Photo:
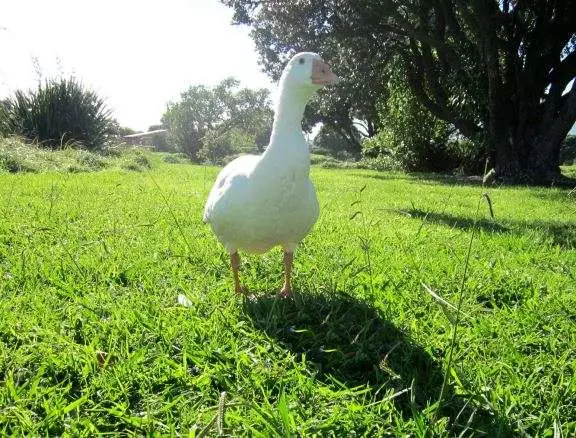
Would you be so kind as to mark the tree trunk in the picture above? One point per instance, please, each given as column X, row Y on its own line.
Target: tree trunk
column 530, row 160
column 532, row 155
column 540, row 167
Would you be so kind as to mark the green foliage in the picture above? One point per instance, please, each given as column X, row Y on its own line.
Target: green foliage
column 120, row 131
column 136, row 161
column 569, row 171
column 414, row 139
column 93, row 339
column 409, row 133
column 189, row 120
column 221, row 146
column 250, row 111
column 159, row 141
column 178, row 158
column 17, row 156
column 328, row 162
column 4, row 117
column 468, row 157
column 380, row 163
column 207, row 122
column 58, row 113
column 335, row 144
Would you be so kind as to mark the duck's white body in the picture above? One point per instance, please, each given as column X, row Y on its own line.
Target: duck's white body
column 262, row 201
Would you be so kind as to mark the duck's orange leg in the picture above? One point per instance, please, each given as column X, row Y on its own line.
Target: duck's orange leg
column 235, row 263
column 286, row 290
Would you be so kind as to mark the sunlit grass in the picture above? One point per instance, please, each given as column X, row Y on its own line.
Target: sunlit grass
column 93, row 339
column 19, row 156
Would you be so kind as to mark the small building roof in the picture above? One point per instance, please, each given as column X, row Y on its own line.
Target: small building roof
column 145, row 134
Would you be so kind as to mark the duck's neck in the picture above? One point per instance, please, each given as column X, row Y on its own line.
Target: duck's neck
column 288, row 115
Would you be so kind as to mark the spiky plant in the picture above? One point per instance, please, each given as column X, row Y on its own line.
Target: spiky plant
column 59, row 112
column 4, row 116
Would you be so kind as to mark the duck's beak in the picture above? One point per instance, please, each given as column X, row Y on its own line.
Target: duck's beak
column 322, row 74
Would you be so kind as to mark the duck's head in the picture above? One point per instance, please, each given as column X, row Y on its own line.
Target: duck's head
column 308, row 71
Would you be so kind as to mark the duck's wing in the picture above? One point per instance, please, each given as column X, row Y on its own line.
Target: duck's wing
column 229, row 183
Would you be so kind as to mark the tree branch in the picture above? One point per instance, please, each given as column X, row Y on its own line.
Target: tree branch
column 551, row 33
column 564, row 120
column 406, row 29
column 448, row 9
column 564, row 72
column 558, row 78
column 468, row 128
column 469, row 18
column 430, row 73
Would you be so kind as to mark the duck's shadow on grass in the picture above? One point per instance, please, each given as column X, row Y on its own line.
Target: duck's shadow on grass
column 346, row 339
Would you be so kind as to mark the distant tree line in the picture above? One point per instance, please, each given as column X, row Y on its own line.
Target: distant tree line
column 211, row 124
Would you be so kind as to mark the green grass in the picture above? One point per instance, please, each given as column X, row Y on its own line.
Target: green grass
column 19, row 156
column 93, row 339
column 569, row 171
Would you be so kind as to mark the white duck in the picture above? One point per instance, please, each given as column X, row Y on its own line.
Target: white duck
column 262, row 201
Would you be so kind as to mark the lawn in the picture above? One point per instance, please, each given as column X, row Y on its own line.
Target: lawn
column 94, row 338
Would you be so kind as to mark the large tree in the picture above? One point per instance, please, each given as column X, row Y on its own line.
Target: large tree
column 497, row 70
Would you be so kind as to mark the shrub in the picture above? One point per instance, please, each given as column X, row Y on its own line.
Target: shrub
column 325, row 161
column 89, row 160
column 175, row 158
column 219, row 147
column 58, row 113
column 136, row 161
column 15, row 156
column 412, row 139
column 380, row 163
column 459, row 155
column 4, row 117
column 14, row 163
column 335, row 145
column 464, row 157
column 415, row 138
column 18, row 156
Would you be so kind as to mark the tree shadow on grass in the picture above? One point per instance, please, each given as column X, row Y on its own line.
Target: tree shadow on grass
column 346, row 339
column 385, row 176
column 567, row 183
column 453, row 221
column 565, row 196
column 429, row 178
column 562, row 234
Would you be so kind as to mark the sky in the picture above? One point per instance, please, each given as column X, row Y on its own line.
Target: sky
column 138, row 55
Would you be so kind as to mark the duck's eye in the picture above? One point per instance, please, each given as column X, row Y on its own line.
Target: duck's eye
column 301, row 60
